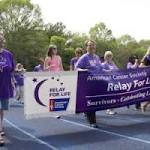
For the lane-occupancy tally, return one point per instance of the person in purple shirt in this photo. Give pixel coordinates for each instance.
(134, 63)
(40, 66)
(19, 78)
(145, 62)
(91, 62)
(108, 65)
(6, 89)
(78, 53)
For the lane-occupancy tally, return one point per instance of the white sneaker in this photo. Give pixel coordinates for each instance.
(94, 125)
(58, 117)
(110, 112)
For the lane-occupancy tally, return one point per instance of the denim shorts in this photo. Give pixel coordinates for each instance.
(4, 103)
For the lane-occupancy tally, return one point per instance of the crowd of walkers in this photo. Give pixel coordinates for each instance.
(12, 76)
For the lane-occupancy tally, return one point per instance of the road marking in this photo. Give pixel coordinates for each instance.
(108, 132)
(30, 135)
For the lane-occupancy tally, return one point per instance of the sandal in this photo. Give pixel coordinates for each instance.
(2, 142)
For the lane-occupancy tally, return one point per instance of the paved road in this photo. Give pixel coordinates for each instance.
(127, 130)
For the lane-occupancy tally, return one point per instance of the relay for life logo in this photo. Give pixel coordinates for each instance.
(57, 93)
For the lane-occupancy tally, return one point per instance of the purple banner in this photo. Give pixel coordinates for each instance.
(99, 91)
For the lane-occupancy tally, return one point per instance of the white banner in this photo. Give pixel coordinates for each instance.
(49, 94)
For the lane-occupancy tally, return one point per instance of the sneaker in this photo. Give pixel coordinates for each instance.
(110, 112)
(107, 111)
(58, 117)
(94, 125)
(2, 133)
(2, 142)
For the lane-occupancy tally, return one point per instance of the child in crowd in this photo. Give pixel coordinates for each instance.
(19, 78)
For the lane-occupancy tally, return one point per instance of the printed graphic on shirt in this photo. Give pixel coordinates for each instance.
(93, 62)
(3, 63)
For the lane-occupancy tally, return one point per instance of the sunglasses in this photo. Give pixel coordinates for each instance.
(91, 45)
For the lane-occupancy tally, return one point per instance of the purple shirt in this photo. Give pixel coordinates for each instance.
(38, 68)
(90, 62)
(109, 66)
(19, 77)
(131, 66)
(6, 68)
(73, 62)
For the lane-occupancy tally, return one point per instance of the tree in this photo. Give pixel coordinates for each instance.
(77, 40)
(125, 39)
(66, 55)
(59, 42)
(100, 32)
(144, 43)
(18, 14)
(22, 26)
(28, 46)
(57, 29)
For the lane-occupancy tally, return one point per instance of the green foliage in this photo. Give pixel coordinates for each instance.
(18, 14)
(144, 43)
(125, 39)
(140, 51)
(104, 38)
(100, 32)
(66, 55)
(78, 40)
(57, 29)
(28, 46)
(59, 42)
(7, 4)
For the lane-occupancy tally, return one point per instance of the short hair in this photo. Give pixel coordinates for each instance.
(78, 50)
(41, 59)
(132, 59)
(85, 43)
(108, 53)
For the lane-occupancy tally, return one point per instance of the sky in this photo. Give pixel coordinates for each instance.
(121, 16)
